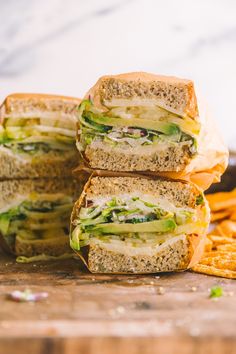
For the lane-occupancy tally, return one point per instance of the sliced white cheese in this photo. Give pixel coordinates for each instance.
(139, 149)
(32, 129)
(129, 250)
(57, 115)
(118, 102)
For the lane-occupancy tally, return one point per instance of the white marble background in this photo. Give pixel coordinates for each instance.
(63, 46)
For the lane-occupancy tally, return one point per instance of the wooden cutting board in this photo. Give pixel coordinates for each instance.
(87, 313)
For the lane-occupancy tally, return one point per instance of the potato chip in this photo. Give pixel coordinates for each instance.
(220, 240)
(220, 215)
(208, 245)
(222, 200)
(220, 263)
(227, 247)
(211, 270)
(227, 228)
(219, 258)
(233, 215)
(223, 254)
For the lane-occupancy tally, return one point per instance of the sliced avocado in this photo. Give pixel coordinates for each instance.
(163, 127)
(152, 226)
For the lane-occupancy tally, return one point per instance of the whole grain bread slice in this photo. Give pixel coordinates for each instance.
(171, 158)
(175, 94)
(178, 192)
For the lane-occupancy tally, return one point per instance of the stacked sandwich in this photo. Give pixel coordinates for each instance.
(150, 154)
(37, 191)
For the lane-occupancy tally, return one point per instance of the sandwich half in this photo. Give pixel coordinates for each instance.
(139, 122)
(35, 215)
(137, 224)
(37, 136)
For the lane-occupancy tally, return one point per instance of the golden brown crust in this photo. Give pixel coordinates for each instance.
(26, 95)
(191, 109)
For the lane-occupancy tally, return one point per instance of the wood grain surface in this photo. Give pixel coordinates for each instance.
(87, 313)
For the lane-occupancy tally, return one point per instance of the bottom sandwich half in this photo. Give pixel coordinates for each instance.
(35, 216)
(139, 225)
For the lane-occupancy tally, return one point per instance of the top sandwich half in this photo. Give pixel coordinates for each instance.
(37, 136)
(139, 122)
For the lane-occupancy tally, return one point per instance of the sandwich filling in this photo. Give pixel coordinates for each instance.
(133, 126)
(35, 134)
(134, 220)
(36, 217)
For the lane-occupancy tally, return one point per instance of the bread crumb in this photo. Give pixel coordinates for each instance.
(161, 290)
(193, 288)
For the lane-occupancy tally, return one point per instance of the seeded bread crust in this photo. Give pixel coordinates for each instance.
(173, 257)
(169, 159)
(175, 94)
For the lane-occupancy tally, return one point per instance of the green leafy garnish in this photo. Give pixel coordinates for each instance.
(216, 291)
(146, 218)
(199, 199)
